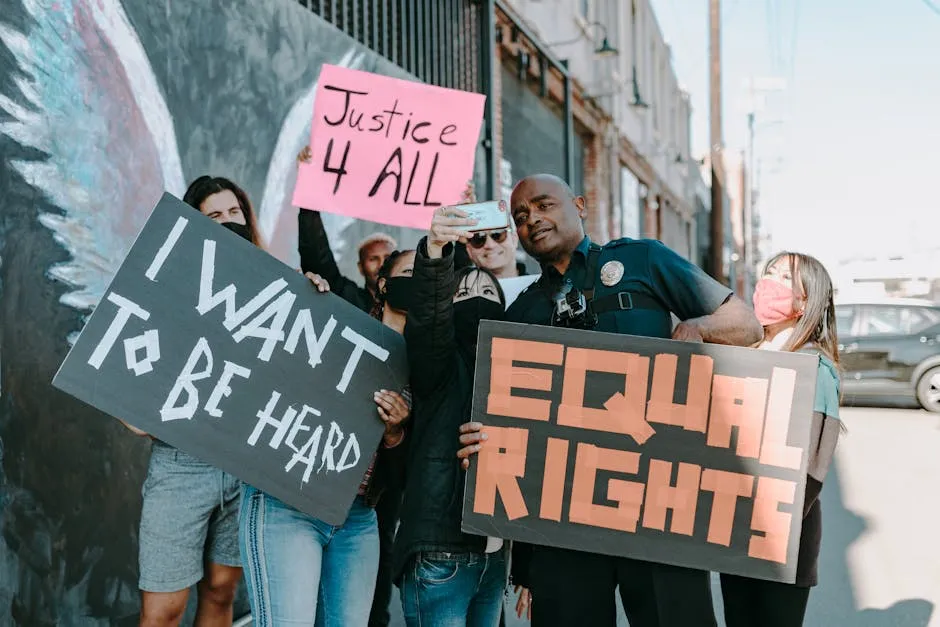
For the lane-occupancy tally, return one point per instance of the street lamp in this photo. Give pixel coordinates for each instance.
(604, 50)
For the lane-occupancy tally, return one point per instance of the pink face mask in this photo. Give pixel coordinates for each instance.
(773, 302)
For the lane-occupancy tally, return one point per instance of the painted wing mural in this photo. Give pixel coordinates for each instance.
(101, 118)
(94, 108)
(98, 142)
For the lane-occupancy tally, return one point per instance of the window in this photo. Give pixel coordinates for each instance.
(897, 320)
(917, 319)
(881, 320)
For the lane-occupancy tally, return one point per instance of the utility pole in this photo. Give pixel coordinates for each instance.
(750, 255)
(717, 143)
(743, 288)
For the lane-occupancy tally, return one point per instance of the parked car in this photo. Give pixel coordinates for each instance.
(890, 348)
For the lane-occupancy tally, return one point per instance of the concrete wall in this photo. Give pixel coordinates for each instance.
(103, 105)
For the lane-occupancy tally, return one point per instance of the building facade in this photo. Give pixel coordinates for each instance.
(639, 169)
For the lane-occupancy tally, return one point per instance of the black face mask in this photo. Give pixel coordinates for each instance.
(399, 292)
(467, 316)
(240, 230)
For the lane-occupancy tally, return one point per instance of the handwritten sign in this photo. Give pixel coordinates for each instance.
(388, 150)
(213, 346)
(672, 452)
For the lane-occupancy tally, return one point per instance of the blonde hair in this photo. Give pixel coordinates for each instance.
(376, 238)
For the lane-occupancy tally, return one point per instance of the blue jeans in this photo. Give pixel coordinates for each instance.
(302, 571)
(454, 589)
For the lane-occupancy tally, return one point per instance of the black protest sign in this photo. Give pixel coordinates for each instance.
(673, 452)
(217, 348)
(388, 150)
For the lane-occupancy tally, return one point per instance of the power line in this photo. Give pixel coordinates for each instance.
(932, 6)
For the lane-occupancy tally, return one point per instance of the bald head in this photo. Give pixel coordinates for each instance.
(548, 217)
(558, 183)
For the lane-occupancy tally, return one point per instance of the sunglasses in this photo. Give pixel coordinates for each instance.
(479, 239)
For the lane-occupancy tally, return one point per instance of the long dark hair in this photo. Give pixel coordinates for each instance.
(817, 325)
(461, 277)
(206, 186)
(385, 272)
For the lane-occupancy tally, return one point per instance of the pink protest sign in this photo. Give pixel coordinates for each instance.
(388, 150)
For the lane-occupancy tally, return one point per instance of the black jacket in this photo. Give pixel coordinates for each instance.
(389, 471)
(316, 256)
(442, 385)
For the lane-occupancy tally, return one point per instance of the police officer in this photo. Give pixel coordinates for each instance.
(627, 286)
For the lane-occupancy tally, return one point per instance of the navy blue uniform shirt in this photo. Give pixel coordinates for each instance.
(665, 282)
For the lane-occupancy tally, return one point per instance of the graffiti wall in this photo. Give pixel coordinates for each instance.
(103, 105)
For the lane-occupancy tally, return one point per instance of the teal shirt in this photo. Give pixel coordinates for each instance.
(827, 388)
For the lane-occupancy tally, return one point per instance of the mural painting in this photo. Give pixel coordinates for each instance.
(104, 105)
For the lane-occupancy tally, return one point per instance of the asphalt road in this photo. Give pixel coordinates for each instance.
(880, 561)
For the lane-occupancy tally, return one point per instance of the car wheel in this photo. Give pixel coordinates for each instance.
(928, 390)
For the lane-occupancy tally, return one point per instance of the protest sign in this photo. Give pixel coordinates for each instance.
(388, 150)
(674, 452)
(213, 346)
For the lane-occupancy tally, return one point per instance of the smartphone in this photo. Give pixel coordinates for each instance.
(491, 215)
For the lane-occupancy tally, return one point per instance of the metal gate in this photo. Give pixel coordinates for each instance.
(438, 41)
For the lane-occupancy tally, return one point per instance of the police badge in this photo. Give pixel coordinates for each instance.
(611, 273)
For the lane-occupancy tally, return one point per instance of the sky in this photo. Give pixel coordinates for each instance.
(850, 149)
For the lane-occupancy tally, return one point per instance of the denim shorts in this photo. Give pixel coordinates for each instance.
(189, 518)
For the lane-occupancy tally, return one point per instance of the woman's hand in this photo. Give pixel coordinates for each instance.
(446, 228)
(524, 603)
(321, 284)
(305, 155)
(471, 439)
(394, 411)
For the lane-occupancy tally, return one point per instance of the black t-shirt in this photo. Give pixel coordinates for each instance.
(665, 282)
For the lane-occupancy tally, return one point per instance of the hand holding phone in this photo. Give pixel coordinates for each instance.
(492, 215)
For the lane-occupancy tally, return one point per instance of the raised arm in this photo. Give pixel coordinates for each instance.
(429, 332)
(316, 256)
